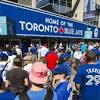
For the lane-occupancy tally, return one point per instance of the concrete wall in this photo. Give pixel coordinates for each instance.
(25, 2)
(98, 2)
(78, 15)
(28, 2)
(34, 3)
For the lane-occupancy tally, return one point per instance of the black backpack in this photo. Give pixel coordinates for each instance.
(49, 95)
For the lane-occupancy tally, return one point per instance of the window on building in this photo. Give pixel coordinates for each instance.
(62, 6)
(69, 3)
(42, 3)
(63, 2)
(56, 6)
(13, 1)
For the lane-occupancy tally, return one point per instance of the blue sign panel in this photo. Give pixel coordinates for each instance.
(89, 10)
(30, 22)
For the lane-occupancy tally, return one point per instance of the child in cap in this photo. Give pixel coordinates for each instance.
(38, 77)
(63, 88)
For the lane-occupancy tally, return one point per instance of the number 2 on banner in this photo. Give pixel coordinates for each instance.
(93, 80)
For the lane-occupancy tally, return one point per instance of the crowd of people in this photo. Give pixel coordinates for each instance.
(70, 72)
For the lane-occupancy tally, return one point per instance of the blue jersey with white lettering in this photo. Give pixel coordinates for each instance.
(88, 76)
(64, 91)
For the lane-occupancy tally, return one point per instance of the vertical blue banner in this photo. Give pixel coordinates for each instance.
(89, 13)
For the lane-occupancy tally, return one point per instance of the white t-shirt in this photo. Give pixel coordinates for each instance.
(90, 47)
(42, 52)
(7, 68)
(78, 55)
(19, 52)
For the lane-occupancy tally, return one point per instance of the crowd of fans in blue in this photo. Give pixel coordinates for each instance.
(50, 73)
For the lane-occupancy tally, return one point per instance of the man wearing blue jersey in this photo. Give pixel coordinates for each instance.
(87, 79)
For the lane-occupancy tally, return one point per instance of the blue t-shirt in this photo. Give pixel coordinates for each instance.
(7, 96)
(33, 50)
(63, 90)
(38, 95)
(88, 76)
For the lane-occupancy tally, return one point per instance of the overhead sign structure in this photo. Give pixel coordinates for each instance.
(33, 22)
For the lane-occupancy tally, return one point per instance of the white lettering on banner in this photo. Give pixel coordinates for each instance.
(41, 27)
(22, 24)
(38, 27)
(29, 26)
(35, 25)
(63, 23)
(78, 32)
(89, 15)
(93, 80)
(69, 31)
(55, 29)
(69, 24)
(52, 21)
(49, 28)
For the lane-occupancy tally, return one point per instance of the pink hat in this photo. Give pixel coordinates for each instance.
(39, 73)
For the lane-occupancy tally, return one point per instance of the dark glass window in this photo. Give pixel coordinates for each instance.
(63, 3)
(69, 3)
(14, 1)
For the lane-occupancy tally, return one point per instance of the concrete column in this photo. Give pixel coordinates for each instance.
(79, 11)
(34, 3)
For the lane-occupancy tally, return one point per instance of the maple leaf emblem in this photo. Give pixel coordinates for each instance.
(61, 30)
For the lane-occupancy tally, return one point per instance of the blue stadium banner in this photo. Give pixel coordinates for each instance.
(25, 21)
(89, 10)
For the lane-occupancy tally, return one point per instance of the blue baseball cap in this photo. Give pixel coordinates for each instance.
(3, 56)
(68, 68)
(96, 51)
(65, 55)
(60, 70)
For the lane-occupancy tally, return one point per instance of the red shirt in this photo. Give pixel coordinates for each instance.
(52, 59)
